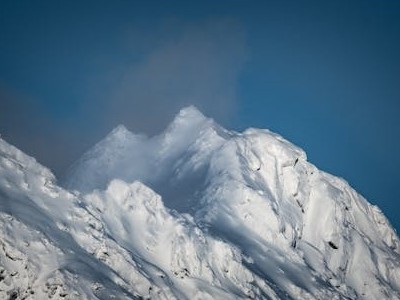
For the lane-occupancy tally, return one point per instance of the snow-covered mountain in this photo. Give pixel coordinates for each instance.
(198, 212)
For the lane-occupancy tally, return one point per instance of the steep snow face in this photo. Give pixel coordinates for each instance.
(197, 212)
(171, 249)
(50, 242)
(287, 215)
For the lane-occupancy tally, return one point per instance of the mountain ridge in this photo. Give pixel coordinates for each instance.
(197, 212)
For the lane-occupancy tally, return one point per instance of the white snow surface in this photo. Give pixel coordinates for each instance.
(197, 212)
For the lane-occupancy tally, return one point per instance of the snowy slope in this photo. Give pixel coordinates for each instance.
(197, 212)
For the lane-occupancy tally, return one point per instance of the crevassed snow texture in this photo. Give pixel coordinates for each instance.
(197, 212)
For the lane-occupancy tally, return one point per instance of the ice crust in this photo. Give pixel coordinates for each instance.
(197, 212)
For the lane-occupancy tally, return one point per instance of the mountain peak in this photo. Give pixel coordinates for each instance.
(120, 132)
(188, 117)
(120, 129)
(190, 112)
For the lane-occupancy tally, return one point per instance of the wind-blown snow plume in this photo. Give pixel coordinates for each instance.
(197, 212)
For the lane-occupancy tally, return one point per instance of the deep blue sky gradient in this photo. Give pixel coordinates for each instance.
(324, 74)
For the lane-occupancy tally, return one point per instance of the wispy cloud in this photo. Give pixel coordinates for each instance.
(191, 63)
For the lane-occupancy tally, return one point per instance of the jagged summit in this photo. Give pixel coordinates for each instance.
(197, 212)
(120, 131)
(188, 117)
(186, 120)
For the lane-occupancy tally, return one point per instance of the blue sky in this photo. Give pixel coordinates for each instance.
(324, 74)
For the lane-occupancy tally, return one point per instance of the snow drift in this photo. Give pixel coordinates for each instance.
(198, 212)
